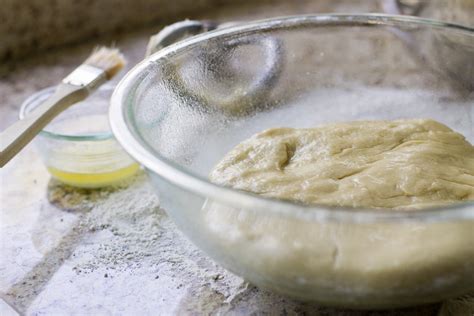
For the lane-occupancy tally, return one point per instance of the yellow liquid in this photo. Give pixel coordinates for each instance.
(93, 180)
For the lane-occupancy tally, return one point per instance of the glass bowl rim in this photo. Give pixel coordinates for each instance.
(33, 100)
(125, 131)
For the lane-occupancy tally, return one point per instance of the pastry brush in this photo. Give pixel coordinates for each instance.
(101, 66)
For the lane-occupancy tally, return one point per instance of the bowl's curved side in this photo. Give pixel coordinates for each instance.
(353, 265)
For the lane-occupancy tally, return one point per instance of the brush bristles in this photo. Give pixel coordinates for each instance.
(109, 60)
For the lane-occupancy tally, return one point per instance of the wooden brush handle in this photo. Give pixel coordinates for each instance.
(18, 135)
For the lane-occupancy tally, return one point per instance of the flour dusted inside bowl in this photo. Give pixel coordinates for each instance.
(319, 107)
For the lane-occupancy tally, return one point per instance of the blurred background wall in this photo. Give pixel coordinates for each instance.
(33, 25)
(29, 26)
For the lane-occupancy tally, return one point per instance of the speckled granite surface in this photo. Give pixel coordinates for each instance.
(68, 251)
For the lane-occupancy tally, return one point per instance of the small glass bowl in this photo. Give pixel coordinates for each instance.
(78, 147)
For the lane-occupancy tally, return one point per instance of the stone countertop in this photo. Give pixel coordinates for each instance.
(88, 252)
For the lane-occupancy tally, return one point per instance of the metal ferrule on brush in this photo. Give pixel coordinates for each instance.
(86, 76)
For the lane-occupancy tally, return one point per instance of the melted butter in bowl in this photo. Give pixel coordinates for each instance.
(77, 147)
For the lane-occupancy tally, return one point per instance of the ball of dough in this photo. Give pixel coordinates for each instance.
(382, 164)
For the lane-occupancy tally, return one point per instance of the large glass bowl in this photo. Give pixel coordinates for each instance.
(181, 110)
